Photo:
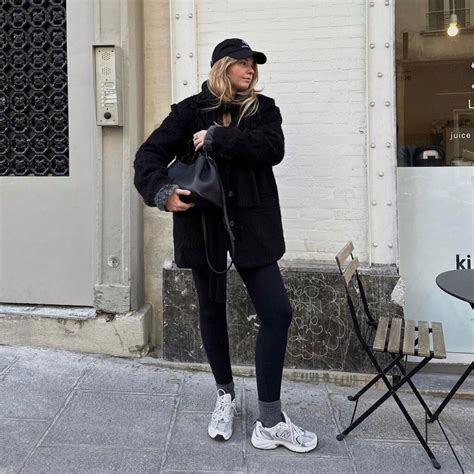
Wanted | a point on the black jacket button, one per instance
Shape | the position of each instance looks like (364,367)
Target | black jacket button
(231,223)
(230,194)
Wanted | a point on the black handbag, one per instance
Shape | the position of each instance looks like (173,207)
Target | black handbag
(200,175)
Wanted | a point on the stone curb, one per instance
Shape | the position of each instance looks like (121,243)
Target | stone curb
(345,379)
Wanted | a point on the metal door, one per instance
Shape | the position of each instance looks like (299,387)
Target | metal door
(47,152)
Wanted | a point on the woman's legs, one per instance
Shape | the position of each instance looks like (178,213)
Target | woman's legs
(213,322)
(274,428)
(267,291)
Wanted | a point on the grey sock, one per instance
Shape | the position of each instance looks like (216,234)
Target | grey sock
(270,413)
(228,388)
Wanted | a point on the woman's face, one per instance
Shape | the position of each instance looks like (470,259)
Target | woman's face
(241,73)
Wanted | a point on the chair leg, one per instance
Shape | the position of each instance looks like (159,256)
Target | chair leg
(451,393)
(422,441)
(426,427)
(353,398)
(355,409)
(415,391)
(451,446)
(395,361)
(382,399)
(392,392)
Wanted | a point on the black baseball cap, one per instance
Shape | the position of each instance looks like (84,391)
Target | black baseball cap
(238,49)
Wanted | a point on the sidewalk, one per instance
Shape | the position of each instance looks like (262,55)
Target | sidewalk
(66,412)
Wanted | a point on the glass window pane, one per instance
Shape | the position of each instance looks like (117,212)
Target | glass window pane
(435,86)
(435,129)
(436,15)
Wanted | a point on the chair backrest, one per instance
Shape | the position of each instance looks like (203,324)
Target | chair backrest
(347,275)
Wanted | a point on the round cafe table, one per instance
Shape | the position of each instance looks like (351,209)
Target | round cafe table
(460,284)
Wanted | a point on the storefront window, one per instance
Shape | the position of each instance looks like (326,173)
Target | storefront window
(435,129)
(435,82)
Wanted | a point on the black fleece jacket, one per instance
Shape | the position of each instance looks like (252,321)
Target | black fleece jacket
(245,155)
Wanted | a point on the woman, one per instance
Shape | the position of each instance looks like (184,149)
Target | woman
(241,129)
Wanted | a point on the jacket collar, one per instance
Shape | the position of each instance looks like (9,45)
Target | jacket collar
(207,98)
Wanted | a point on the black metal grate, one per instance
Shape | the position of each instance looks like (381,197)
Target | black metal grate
(33,88)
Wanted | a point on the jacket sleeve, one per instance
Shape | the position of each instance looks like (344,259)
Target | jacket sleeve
(153,157)
(264,145)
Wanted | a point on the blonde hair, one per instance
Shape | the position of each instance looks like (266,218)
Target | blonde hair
(219,85)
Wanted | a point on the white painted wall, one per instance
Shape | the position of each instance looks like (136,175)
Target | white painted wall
(316,73)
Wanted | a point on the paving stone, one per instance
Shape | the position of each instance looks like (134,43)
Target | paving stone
(18,399)
(299,463)
(113,420)
(132,377)
(38,354)
(408,458)
(37,387)
(198,392)
(51,460)
(17,439)
(459,416)
(8,352)
(4,363)
(307,406)
(434,383)
(192,449)
(387,422)
(126,428)
(347,390)
(202,472)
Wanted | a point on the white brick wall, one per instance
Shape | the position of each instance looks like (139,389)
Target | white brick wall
(316,73)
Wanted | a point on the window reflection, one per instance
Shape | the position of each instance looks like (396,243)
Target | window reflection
(439,12)
(435,83)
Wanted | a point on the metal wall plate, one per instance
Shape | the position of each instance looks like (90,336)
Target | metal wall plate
(108,85)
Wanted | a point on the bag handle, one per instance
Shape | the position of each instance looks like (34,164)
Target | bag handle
(225,218)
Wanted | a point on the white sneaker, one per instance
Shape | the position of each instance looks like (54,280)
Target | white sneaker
(222,417)
(284,434)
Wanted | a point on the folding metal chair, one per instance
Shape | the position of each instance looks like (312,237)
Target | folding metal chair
(388,338)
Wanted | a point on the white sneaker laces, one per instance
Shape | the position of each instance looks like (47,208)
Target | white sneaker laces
(223,410)
(295,431)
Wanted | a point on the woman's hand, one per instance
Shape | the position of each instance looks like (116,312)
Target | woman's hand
(198,139)
(174,204)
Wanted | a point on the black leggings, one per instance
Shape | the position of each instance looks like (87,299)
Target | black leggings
(267,291)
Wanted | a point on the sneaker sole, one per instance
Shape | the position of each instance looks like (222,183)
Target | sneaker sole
(218,435)
(267,444)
